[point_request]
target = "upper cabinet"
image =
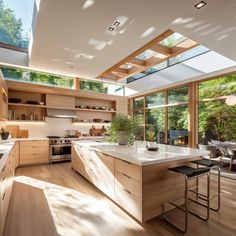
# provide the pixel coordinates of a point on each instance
(3, 98)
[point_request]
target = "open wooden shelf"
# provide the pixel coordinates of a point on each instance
(27, 121)
(91, 123)
(54, 107)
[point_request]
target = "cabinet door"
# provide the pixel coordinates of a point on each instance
(34, 152)
(103, 173)
(78, 162)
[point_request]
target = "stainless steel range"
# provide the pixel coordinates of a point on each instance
(60, 148)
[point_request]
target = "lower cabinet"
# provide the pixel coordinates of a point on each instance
(119, 180)
(6, 183)
(33, 152)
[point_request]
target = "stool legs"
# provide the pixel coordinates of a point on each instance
(218, 190)
(186, 207)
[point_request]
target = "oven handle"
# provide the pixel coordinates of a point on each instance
(60, 145)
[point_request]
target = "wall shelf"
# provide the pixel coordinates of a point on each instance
(54, 107)
(26, 121)
(91, 123)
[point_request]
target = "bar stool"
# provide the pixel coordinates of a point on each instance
(189, 173)
(212, 165)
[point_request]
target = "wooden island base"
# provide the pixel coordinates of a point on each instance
(138, 189)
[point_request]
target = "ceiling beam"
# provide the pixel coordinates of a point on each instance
(164, 35)
(136, 62)
(159, 48)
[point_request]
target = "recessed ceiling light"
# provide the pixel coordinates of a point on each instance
(200, 4)
(116, 23)
(111, 28)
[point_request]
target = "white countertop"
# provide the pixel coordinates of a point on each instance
(5, 148)
(141, 156)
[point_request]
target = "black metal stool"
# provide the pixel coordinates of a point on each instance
(212, 165)
(189, 173)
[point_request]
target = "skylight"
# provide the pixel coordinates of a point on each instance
(15, 22)
(173, 40)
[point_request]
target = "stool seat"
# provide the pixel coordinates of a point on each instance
(204, 162)
(190, 171)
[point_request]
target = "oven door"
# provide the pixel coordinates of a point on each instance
(60, 152)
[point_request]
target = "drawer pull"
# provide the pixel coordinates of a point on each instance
(3, 196)
(127, 191)
(34, 146)
(127, 176)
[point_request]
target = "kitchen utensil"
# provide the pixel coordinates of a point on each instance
(23, 133)
(13, 130)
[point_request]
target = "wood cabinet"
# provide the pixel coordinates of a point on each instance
(95, 167)
(6, 183)
(119, 180)
(3, 98)
(34, 152)
(139, 190)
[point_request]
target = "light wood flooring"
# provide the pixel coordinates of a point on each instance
(54, 200)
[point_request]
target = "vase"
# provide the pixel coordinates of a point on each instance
(5, 135)
(122, 137)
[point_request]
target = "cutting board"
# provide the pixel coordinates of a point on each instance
(23, 133)
(13, 130)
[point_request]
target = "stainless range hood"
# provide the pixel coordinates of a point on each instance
(61, 113)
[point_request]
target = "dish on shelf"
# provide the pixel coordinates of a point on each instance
(32, 102)
(97, 120)
(14, 100)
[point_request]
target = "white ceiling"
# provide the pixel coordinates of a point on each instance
(65, 29)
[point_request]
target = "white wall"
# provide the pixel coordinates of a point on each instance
(52, 126)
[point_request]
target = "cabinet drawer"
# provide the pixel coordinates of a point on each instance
(36, 158)
(129, 169)
(128, 201)
(132, 185)
(34, 150)
(32, 143)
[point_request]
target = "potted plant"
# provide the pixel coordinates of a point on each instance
(4, 134)
(121, 130)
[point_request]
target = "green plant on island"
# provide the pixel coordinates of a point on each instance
(121, 123)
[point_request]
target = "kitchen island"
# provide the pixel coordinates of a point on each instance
(136, 179)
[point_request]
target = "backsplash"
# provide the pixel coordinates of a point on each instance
(52, 126)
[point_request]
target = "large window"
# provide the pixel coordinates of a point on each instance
(166, 116)
(102, 87)
(138, 114)
(216, 120)
(155, 123)
(37, 77)
(15, 22)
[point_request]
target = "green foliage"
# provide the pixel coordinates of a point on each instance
(37, 77)
(216, 117)
(121, 123)
(11, 31)
(92, 86)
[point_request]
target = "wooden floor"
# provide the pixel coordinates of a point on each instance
(54, 200)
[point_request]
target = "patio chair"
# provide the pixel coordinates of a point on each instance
(228, 153)
(232, 154)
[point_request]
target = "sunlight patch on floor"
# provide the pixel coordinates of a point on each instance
(75, 213)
